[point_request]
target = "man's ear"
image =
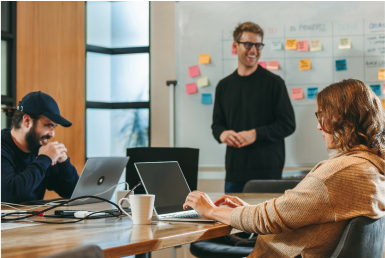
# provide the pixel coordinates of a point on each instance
(27, 121)
(235, 47)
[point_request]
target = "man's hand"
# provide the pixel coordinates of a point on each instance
(54, 150)
(200, 202)
(231, 138)
(62, 158)
(248, 137)
(231, 201)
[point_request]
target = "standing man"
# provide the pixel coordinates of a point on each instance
(252, 114)
(29, 163)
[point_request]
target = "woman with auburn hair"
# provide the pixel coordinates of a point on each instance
(309, 220)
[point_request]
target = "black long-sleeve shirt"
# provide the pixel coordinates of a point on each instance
(258, 101)
(25, 176)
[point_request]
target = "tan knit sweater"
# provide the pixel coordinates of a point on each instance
(310, 219)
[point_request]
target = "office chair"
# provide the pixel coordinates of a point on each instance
(90, 251)
(269, 186)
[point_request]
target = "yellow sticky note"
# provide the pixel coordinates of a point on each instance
(381, 74)
(304, 64)
(316, 45)
(204, 58)
(345, 43)
(383, 103)
(203, 82)
(291, 44)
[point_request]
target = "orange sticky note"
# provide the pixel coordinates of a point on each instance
(291, 44)
(297, 93)
(262, 63)
(273, 65)
(191, 88)
(302, 45)
(381, 74)
(304, 64)
(194, 71)
(383, 103)
(204, 58)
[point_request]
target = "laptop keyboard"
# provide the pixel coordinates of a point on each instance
(189, 216)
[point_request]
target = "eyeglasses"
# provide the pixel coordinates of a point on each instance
(249, 45)
(317, 113)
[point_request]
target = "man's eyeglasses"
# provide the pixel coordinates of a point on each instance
(249, 45)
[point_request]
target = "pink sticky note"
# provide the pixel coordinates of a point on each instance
(273, 65)
(383, 88)
(194, 71)
(262, 63)
(233, 52)
(191, 88)
(296, 93)
(302, 45)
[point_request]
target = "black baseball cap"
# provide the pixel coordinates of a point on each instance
(40, 103)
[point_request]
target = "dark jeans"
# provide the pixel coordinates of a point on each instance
(233, 187)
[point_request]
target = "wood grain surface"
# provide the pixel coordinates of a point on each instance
(51, 58)
(117, 237)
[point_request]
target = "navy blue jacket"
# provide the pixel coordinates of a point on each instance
(25, 177)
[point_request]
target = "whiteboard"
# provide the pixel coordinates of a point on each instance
(206, 27)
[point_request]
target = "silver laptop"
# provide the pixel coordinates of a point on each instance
(166, 181)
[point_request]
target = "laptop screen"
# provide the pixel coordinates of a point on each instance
(166, 181)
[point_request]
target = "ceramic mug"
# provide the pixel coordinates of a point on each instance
(141, 207)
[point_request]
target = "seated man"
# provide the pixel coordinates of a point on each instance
(309, 219)
(29, 163)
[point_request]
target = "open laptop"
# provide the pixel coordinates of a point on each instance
(99, 175)
(166, 181)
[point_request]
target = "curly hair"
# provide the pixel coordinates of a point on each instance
(17, 116)
(246, 26)
(351, 112)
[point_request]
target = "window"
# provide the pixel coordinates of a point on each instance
(117, 77)
(8, 58)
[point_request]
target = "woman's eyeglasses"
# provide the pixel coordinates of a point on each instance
(317, 115)
(249, 45)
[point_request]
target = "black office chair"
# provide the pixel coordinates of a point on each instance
(220, 247)
(362, 238)
(90, 251)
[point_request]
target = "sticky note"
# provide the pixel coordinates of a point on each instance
(291, 44)
(383, 103)
(345, 43)
(341, 65)
(376, 89)
(262, 63)
(204, 58)
(383, 88)
(381, 74)
(191, 88)
(316, 45)
(194, 71)
(297, 93)
(304, 64)
(276, 45)
(233, 51)
(302, 45)
(206, 98)
(203, 82)
(273, 65)
(311, 93)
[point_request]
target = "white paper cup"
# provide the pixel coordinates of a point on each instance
(141, 208)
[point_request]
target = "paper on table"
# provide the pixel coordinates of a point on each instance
(5, 226)
(345, 43)
(276, 45)
(304, 64)
(191, 88)
(291, 44)
(206, 98)
(316, 45)
(262, 63)
(193, 71)
(204, 58)
(273, 65)
(303, 45)
(341, 65)
(297, 93)
(311, 93)
(381, 74)
(203, 82)
(377, 89)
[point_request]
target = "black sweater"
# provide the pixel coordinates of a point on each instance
(25, 177)
(259, 101)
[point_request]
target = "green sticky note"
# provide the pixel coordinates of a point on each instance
(203, 82)
(276, 45)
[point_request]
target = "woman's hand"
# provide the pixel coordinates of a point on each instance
(201, 203)
(231, 201)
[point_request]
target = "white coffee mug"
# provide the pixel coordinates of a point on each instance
(141, 207)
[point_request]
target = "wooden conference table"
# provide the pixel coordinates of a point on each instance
(117, 237)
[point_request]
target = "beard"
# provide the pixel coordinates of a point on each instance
(33, 139)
